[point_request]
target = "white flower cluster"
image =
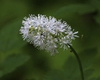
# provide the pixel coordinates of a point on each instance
(47, 32)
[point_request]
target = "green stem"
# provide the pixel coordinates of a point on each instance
(79, 61)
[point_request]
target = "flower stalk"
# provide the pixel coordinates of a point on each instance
(79, 61)
(48, 33)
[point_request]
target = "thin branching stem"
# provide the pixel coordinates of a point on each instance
(79, 61)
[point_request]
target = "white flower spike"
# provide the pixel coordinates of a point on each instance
(47, 32)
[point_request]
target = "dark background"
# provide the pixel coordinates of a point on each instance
(20, 60)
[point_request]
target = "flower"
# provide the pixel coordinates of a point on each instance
(47, 33)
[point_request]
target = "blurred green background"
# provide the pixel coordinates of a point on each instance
(20, 60)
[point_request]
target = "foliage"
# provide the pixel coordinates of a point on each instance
(22, 61)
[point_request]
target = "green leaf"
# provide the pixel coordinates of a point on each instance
(71, 69)
(87, 57)
(96, 4)
(18, 8)
(12, 62)
(97, 18)
(10, 38)
(95, 78)
(75, 9)
(55, 75)
(11, 10)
